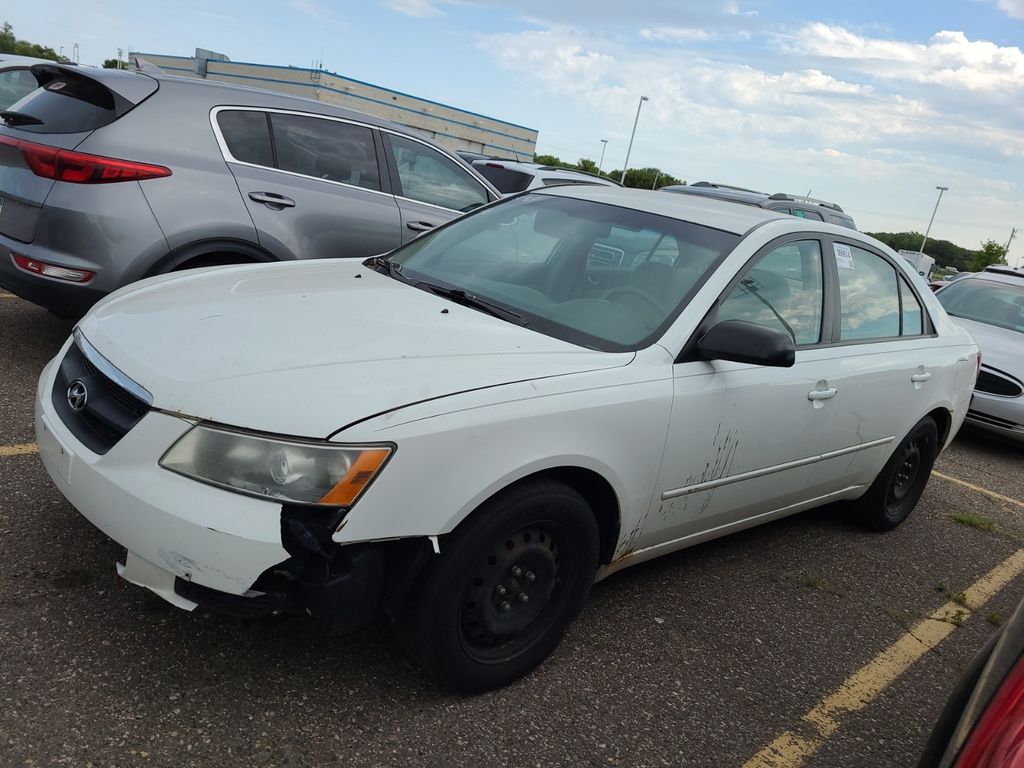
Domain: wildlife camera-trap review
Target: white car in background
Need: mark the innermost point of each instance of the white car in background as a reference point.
(510, 177)
(464, 435)
(990, 304)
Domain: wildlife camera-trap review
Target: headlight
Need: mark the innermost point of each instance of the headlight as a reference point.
(286, 470)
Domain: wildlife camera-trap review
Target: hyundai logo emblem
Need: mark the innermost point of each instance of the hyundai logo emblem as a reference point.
(78, 395)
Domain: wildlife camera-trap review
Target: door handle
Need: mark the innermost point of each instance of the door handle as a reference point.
(419, 226)
(920, 376)
(272, 199)
(822, 394)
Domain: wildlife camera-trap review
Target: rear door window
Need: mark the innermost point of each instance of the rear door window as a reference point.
(326, 149)
(868, 294)
(247, 134)
(15, 84)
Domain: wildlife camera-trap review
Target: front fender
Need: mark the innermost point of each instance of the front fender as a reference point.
(456, 453)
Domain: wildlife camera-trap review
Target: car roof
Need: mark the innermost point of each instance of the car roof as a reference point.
(10, 60)
(707, 211)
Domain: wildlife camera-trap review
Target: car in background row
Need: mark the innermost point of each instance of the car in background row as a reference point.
(463, 435)
(951, 277)
(16, 81)
(990, 304)
(511, 177)
(801, 207)
(982, 723)
(109, 176)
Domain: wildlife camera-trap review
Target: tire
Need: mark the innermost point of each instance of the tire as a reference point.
(507, 584)
(895, 492)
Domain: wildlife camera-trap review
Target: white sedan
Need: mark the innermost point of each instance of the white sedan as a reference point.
(463, 435)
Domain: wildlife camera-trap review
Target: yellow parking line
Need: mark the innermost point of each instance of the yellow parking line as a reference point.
(18, 450)
(979, 489)
(793, 747)
(5, 295)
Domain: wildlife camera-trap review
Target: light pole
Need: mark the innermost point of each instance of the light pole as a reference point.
(936, 208)
(629, 149)
(604, 146)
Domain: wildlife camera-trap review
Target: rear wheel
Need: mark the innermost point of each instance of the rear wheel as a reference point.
(507, 584)
(896, 490)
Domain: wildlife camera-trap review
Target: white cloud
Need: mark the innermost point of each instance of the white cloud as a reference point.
(949, 58)
(1014, 8)
(418, 8)
(674, 34)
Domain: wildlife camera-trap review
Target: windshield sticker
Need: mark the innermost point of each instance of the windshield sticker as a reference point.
(844, 256)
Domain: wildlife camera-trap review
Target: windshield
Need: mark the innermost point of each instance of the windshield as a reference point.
(594, 274)
(986, 301)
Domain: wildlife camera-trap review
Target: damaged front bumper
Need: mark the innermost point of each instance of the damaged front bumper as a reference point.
(195, 544)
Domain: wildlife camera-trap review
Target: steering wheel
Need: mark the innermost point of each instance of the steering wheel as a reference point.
(632, 290)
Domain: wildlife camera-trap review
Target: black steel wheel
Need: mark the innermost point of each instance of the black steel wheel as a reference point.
(507, 584)
(898, 487)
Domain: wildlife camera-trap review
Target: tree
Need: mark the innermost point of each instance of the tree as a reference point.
(587, 165)
(646, 178)
(548, 160)
(991, 253)
(115, 64)
(11, 44)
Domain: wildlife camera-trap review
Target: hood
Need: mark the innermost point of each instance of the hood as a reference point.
(306, 348)
(1000, 347)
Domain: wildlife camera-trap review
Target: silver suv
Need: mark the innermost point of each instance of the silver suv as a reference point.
(511, 177)
(109, 176)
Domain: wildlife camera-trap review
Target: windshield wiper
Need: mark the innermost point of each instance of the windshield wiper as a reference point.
(459, 296)
(19, 118)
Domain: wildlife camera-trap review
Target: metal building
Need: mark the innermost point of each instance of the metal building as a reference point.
(452, 127)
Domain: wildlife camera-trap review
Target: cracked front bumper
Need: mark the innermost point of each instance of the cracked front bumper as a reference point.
(172, 527)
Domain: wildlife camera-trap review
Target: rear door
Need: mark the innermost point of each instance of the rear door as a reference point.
(892, 367)
(313, 185)
(430, 187)
(62, 111)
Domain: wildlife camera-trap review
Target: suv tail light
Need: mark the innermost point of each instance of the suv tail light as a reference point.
(997, 739)
(80, 168)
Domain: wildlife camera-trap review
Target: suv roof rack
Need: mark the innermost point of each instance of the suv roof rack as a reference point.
(802, 199)
(578, 172)
(724, 186)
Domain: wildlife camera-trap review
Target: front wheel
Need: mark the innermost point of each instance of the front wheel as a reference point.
(896, 490)
(507, 584)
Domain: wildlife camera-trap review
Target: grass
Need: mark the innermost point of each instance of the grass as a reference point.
(959, 598)
(974, 520)
(995, 618)
(957, 618)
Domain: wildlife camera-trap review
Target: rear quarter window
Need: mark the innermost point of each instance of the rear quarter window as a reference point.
(247, 135)
(15, 84)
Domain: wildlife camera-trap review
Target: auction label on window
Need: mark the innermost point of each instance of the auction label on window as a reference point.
(844, 256)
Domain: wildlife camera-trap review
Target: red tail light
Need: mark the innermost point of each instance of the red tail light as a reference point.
(80, 168)
(997, 740)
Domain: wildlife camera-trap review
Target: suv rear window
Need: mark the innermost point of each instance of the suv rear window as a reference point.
(504, 180)
(69, 103)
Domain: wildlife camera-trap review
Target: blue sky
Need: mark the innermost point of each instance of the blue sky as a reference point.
(870, 104)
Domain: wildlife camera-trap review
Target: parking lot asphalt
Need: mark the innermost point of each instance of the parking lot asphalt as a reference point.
(700, 658)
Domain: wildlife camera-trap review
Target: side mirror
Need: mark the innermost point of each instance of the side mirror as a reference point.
(744, 342)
